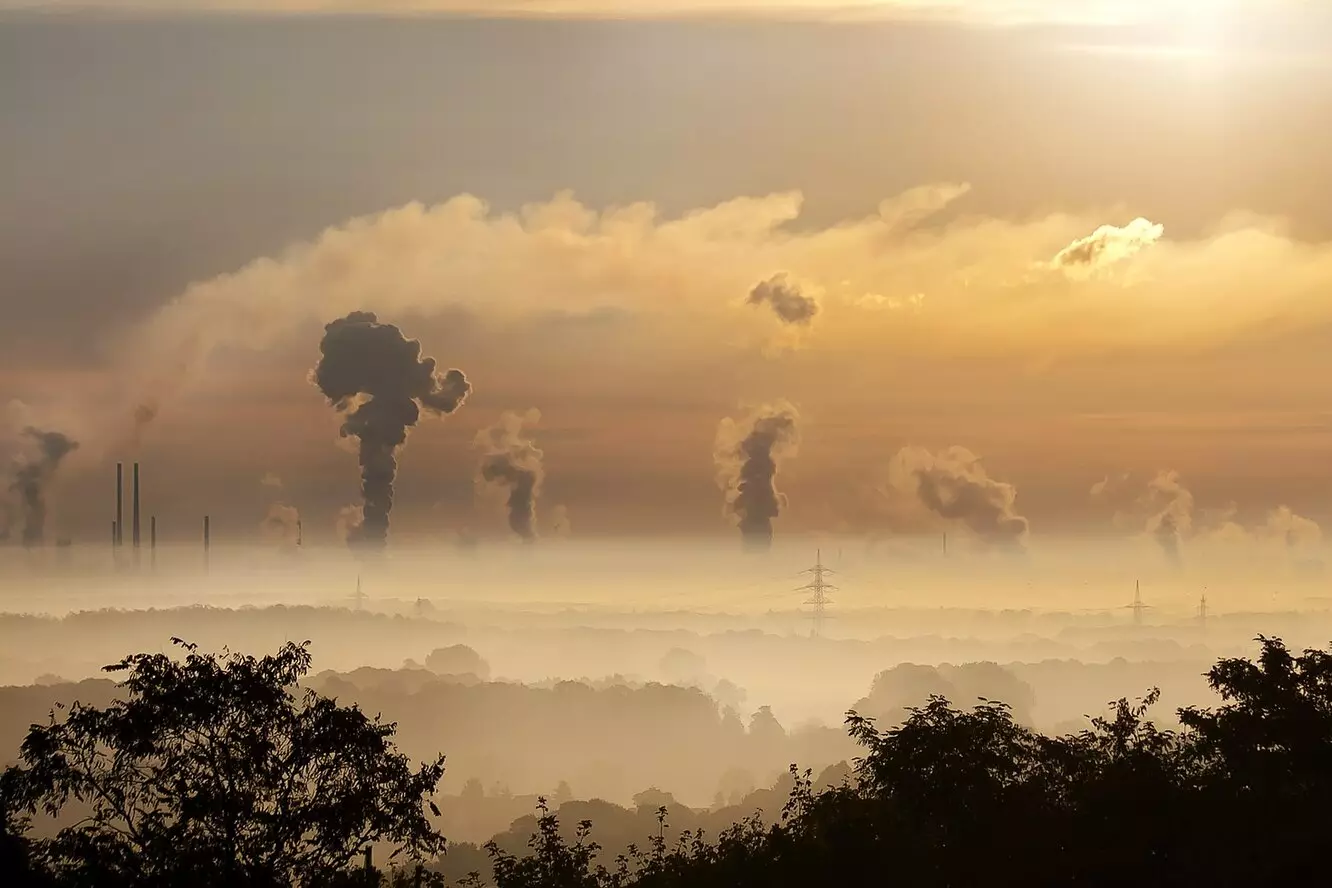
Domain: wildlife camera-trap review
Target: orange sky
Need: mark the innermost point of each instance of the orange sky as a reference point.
(1099, 265)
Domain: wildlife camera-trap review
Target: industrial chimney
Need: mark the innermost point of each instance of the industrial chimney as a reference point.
(152, 540)
(120, 503)
(207, 540)
(135, 508)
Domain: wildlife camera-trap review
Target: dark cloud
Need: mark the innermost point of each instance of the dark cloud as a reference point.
(511, 460)
(377, 377)
(32, 476)
(748, 454)
(954, 486)
(788, 300)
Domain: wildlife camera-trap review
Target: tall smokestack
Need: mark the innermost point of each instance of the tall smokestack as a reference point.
(134, 508)
(113, 536)
(152, 540)
(207, 540)
(120, 503)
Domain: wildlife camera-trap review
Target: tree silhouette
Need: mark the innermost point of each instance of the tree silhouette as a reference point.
(213, 772)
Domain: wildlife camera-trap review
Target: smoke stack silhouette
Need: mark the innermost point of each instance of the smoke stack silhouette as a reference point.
(152, 540)
(748, 454)
(510, 459)
(135, 510)
(208, 539)
(33, 475)
(377, 377)
(120, 503)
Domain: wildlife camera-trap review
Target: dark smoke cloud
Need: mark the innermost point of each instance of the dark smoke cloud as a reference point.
(377, 377)
(145, 413)
(788, 300)
(32, 477)
(511, 460)
(748, 454)
(953, 485)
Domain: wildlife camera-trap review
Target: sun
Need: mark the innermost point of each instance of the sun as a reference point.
(1204, 24)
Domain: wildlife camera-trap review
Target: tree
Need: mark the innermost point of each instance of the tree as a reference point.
(458, 659)
(212, 772)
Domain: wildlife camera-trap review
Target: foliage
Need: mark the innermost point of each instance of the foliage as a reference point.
(213, 772)
(962, 798)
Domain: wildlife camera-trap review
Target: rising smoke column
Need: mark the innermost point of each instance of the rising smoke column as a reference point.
(1170, 513)
(953, 485)
(282, 525)
(33, 475)
(748, 453)
(377, 377)
(511, 460)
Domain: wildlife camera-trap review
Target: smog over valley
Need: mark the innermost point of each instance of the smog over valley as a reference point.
(608, 443)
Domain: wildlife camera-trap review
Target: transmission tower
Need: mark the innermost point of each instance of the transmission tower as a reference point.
(818, 589)
(1137, 606)
(1202, 610)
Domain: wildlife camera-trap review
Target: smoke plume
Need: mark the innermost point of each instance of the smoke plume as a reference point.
(788, 300)
(953, 485)
(377, 377)
(282, 525)
(748, 453)
(510, 459)
(349, 521)
(144, 413)
(32, 475)
(1170, 512)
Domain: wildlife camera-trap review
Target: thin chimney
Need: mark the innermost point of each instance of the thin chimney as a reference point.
(120, 503)
(152, 539)
(135, 508)
(113, 536)
(207, 540)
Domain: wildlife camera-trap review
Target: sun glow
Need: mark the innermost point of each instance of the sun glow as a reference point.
(1203, 24)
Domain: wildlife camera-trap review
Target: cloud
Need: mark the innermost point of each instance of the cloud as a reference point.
(1106, 246)
(995, 12)
(877, 301)
(788, 299)
(953, 485)
(678, 277)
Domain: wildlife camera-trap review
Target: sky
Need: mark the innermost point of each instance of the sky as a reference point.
(1039, 258)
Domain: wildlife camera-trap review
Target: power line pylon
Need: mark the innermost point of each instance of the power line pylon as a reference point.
(818, 589)
(1202, 611)
(1137, 606)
